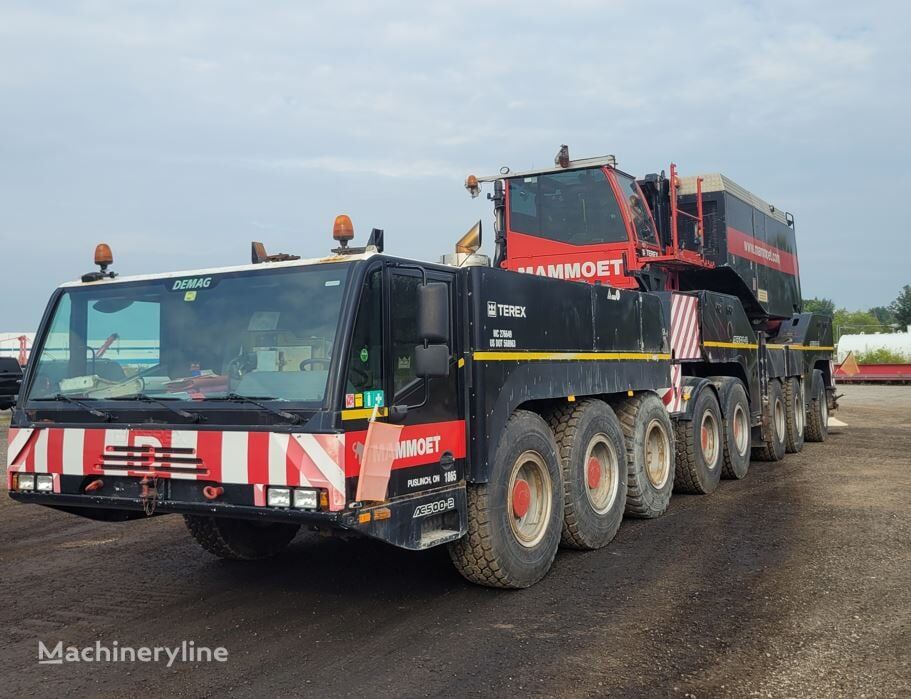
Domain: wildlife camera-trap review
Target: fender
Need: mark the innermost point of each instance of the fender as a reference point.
(723, 386)
(692, 387)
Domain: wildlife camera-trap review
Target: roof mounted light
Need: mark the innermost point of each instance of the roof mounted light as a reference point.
(104, 258)
(343, 229)
(472, 185)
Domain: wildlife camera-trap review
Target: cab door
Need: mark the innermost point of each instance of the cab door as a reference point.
(432, 445)
(380, 372)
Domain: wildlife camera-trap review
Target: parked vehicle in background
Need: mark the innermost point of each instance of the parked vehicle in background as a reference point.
(10, 380)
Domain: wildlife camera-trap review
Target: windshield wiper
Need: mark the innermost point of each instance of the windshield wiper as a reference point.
(193, 417)
(254, 400)
(75, 401)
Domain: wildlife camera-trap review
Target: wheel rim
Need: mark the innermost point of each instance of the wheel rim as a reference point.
(823, 408)
(779, 417)
(708, 439)
(529, 499)
(799, 408)
(657, 454)
(602, 473)
(741, 429)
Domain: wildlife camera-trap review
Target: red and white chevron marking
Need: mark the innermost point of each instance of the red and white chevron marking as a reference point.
(684, 343)
(252, 458)
(685, 327)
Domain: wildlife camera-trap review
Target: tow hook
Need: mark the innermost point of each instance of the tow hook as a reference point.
(212, 492)
(148, 494)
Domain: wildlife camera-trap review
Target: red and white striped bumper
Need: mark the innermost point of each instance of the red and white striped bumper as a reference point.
(248, 458)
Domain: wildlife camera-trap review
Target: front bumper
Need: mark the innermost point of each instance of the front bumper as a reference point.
(413, 522)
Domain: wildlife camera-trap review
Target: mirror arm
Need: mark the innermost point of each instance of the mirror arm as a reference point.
(397, 413)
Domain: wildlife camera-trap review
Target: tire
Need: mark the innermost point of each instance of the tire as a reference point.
(737, 433)
(817, 410)
(699, 447)
(505, 547)
(773, 448)
(796, 415)
(593, 460)
(240, 539)
(649, 438)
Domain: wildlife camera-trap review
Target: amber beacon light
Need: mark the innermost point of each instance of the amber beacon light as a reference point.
(343, 229)
(104, 258)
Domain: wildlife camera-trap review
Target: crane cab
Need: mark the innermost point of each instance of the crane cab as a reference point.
(590, 223)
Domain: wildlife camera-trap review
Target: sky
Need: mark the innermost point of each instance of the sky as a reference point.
(178, 132)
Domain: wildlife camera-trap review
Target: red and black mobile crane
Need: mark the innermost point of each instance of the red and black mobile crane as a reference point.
(629, 338)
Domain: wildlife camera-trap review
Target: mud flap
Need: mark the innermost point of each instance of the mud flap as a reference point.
(416, 522)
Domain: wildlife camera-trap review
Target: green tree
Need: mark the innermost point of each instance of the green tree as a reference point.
(881, 355)
(901, 307)
(815, 305)
(883, 315)
(848, 322)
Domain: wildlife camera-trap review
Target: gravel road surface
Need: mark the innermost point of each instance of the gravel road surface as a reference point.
(793, 582)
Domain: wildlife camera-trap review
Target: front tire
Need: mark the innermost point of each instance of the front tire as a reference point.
(699, 447)
(648, 434)
(514, 519)
(593, 459)
(240, 539)
(773, 447)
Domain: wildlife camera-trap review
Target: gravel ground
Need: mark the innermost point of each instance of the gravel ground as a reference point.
(793, 582)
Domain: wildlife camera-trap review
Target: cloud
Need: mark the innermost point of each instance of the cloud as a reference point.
(210, 122)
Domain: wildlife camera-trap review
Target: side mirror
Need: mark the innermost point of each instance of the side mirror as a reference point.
(431, 361)
(433, 313)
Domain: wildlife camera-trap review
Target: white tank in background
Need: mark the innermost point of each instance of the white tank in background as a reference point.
(868, 342)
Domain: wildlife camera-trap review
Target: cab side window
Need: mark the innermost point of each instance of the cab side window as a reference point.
(638, 209)
(404, 294)
(365, 358)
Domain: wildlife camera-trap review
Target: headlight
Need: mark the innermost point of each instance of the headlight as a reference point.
(279, 497)
(25, 481)
(44, 483)
(306, 499)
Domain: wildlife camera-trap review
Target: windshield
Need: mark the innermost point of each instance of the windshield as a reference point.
(577, 207)
(266, 334)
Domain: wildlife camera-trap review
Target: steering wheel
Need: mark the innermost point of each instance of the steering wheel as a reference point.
(360, 376)
(314, 360)
(240, 365)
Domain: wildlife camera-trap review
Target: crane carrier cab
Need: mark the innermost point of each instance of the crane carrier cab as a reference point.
(530, 410)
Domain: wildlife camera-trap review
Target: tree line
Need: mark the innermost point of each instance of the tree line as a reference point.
(896, 317)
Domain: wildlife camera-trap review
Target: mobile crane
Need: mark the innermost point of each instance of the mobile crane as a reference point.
(630, 338)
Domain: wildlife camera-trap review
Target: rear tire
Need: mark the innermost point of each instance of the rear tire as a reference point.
(649, 438)
(240, 539)
(514, 519)
(737, 433)
(817, 410)
(699, 447)
(795, 405)
(773, 447)
(593, 459)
